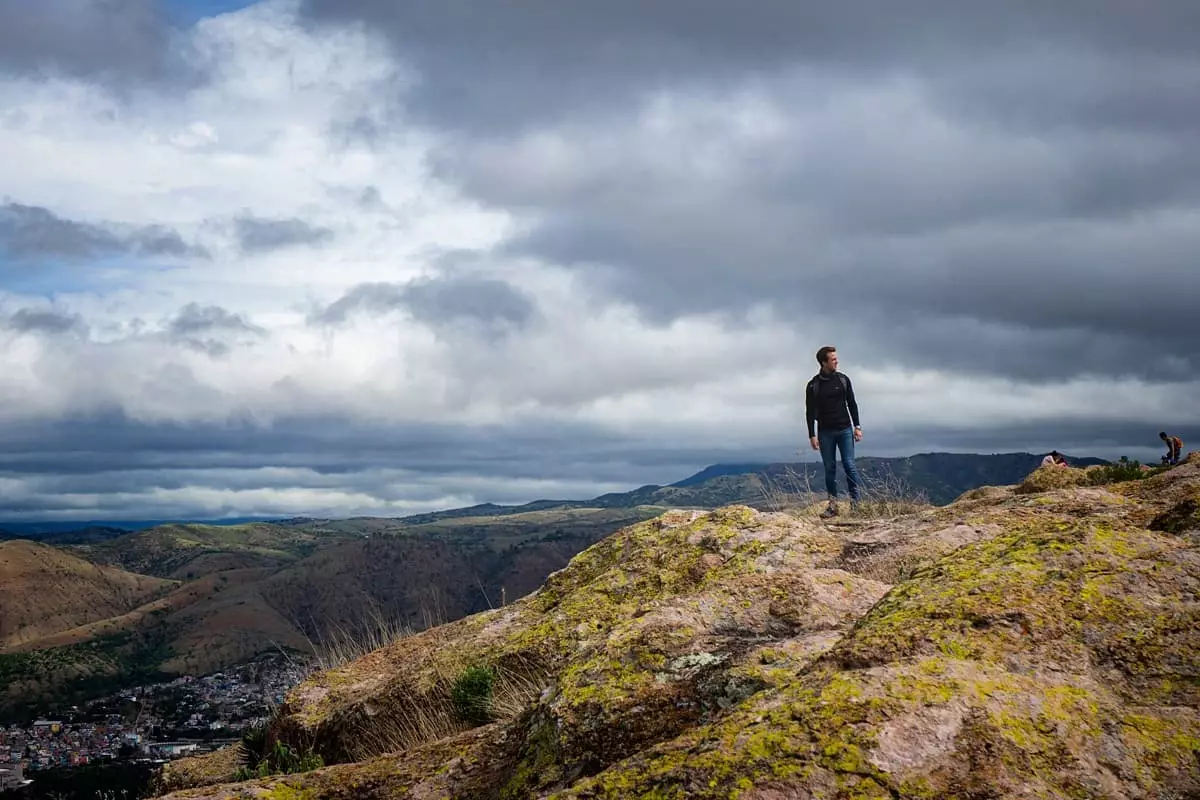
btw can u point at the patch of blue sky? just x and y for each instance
(188, 12)
(45, 277)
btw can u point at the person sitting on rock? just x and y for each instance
(1054, 459)
(1174, 448)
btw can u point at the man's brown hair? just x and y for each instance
(824, 352)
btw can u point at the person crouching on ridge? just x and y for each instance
(1174, 448)
(829, 403)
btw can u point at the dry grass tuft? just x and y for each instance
(894, 569)
(517, 688)
(341, 645)
(883, 496)
(418, 719)
(410, 723)
(428, 714)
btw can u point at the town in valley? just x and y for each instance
(152, 723)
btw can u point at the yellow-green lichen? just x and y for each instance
(1048, 586)
(1165, 743)
(287, 791)
(1032, 592)
(832, 727)
(538, 762)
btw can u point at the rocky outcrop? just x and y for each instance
(1020, 642)
(1055, 477)
(207, 770)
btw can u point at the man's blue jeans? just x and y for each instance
(830, 442)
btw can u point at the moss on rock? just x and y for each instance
(975, 676)
(1045, 479)
(212, 768)
(470, 764)
(600, 630)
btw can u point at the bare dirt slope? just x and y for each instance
(44, 591)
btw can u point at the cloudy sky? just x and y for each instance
(340, 257)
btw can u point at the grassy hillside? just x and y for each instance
(189, 551)
(441, 571)
(44, 590)
(208, 613)
(228, 613)
(202, 626)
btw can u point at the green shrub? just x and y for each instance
(254, 744)
(259, 761)
(472, 694)
(1120, 471)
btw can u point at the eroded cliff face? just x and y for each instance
(1021, 642)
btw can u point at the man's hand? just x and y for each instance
(858, 434)
(816, 445)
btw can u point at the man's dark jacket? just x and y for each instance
(829, 402)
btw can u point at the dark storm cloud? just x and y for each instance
(367, 298)
(256, 235)
(1044, 354)
(504, 67)
(162, 241)
(110, 455)
(1007, 247)
(1064, 84)
(117, 38)
(195, 318)
(486, 300)
(493, 304)
(328, 444)
(210, 329)
(979, 181)
(33, 232)
(43, 320)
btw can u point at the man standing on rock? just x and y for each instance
(829, 403)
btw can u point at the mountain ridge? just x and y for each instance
(1018, 464)
(1009, 468)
